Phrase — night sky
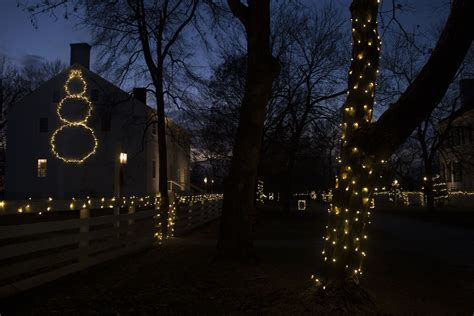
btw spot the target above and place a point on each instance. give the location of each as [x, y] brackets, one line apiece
[22, 43]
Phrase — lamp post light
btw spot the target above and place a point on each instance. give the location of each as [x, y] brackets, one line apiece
[119, 183]
[123, 158]
[123, 162]
[205, 183]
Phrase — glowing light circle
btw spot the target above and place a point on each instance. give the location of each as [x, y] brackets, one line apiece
[74, 97]
[75, 74]
[66, 124]
[76, 159]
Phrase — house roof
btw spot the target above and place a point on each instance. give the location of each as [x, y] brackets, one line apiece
[111, 88]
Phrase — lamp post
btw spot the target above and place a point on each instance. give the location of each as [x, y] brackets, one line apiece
[123, 162]
[205, 183]
[119, 182]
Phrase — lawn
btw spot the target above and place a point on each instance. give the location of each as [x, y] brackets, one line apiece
[413, 266]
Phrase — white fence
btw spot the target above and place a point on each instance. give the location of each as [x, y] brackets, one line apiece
[190, 216]
[36, 253]
[416, 198]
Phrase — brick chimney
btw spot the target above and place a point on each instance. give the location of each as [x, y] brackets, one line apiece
[140, 94]
[80, 54]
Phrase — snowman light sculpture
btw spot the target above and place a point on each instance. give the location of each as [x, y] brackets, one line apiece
[75, 88]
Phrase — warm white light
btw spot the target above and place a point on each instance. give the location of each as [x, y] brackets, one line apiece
[74, 74]
[123, 158]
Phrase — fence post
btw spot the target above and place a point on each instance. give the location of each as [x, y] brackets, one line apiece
[130, 228]
[83, 236]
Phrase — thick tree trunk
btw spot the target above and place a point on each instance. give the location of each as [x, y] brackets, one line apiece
[235, 236]
[364, 145]
[346, 236]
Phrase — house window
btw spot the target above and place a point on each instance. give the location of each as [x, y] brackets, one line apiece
[41, 168]
[105, 123]
[94, 95]
[457, 172]
[153, 169]
[182, 176]
[43, 125]
[56, 96]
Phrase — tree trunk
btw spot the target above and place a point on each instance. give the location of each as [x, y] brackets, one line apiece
[162, 160]
[430, 205]
[345, 239]
[364, 145]
[288, 184]
[235, 236]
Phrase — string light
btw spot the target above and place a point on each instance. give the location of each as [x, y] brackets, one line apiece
[71, 124]
[345, 239]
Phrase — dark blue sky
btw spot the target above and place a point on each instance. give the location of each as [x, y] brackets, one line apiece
[22, 43]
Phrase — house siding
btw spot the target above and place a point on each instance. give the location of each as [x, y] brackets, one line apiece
[98, 174]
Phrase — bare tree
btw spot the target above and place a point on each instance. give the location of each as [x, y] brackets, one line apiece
[401, 64]
[143, 40]
[16, 82]
[235, 240]
[312, 59]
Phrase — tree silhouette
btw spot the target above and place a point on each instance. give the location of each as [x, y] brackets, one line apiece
[235, 240]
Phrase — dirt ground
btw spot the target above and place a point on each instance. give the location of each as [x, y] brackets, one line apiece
[413, 267]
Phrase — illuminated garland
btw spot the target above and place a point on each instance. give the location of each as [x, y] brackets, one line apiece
[396, 193]
[345, 238]
[260, 196]
[82, 123]
[50, 204]
[440, 190]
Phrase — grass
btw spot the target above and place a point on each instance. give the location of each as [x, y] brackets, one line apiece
[179, 277]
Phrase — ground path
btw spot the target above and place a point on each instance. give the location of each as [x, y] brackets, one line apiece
[413, 266]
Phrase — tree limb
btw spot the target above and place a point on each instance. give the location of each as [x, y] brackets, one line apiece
[427, 90]
[239, 10]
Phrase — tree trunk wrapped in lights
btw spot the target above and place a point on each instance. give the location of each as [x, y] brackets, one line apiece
[345, 239]
[366, 144]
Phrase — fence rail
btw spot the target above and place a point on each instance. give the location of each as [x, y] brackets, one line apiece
[37, 253]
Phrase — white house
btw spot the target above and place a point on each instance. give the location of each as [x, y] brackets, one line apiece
[457, 153]
[64, 139]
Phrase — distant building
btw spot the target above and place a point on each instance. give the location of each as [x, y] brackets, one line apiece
[44, 153]
[457, 152]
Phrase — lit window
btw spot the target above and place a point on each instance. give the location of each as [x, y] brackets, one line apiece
[42, 168]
